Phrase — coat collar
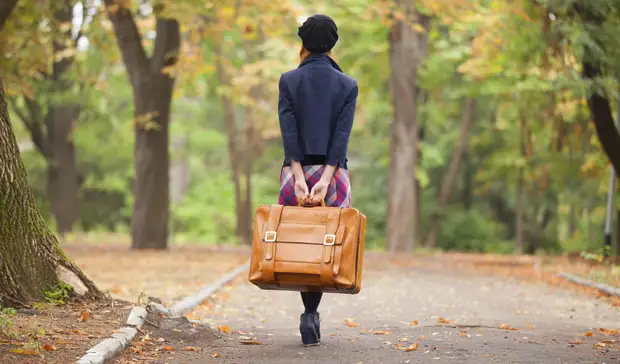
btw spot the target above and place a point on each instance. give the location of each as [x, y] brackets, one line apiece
[320, 58]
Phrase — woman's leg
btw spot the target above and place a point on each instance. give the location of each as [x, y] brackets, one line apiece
[303, 298]
[312, 301]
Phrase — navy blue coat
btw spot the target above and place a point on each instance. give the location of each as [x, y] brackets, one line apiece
[316, 108]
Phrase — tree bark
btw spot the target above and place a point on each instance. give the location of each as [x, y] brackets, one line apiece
[598, 101]
[468, 115]
[6, 8]
[31, 260]
[63, 185]
[617, 235]
[408, 49]
[152, 90]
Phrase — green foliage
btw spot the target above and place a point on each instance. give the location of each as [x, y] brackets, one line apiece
[519, 65]
[58, 294]
[472, 231]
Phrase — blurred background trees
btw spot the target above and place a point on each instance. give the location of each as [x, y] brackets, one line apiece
[476, 129]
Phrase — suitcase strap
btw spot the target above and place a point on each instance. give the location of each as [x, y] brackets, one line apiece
[329, 241]
[269, 246]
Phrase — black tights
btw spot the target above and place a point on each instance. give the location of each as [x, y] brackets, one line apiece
[311, 301]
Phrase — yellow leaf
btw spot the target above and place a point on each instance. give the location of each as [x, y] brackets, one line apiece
[350, 323]
[250, 342]
[192, 348]
[412, 347]
[382, 333]
[414, 323]
[225, 329]
[167, 348]
[21, 351]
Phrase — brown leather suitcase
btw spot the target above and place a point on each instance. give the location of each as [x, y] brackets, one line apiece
[308, 249]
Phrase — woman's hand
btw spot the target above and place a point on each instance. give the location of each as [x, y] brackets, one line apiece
[301, 189]
[319, 191]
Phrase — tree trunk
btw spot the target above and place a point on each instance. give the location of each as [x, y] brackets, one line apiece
[408, 49]
[62, 173]
[617, 235]
[31, 260]
[468, 114]
[468, 177]
[152, 85]
[519, 225]
[6, 8]
[598, 101]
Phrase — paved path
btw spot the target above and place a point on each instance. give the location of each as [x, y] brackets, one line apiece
[392, 297]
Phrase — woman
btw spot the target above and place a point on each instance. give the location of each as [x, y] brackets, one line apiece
[316, 108]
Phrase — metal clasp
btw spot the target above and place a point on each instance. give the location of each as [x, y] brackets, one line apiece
[329, 239]
[270, 236]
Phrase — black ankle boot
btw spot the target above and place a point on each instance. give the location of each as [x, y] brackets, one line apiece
[307, 329]
[317, 324]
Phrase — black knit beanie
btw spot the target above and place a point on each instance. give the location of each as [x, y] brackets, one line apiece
[318, 33]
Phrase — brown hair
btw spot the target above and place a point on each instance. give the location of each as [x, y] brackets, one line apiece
[304, 53]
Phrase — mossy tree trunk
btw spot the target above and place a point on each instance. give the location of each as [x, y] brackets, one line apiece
[31, 260]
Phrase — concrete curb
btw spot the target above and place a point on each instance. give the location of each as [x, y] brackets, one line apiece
[605, 288]
[112, 346]
[192, 301]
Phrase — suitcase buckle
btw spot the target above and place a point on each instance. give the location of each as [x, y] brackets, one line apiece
[270, 236]
[329, 239]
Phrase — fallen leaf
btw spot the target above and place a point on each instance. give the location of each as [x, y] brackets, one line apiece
[161, 340]
[136, 350]
[167, 348]
[600, 345]
[576, 342]
[414, 323]
[225, 329]
[251, 342]
[403, 339]
[588, 334]
[24, 351]
[351, 323]
[422, 337]
[506, 327]
[146, 337]
[48, 347]
[192, 348]
[217, 355]
[382, 333]
[608, 332]
[246, 338]
[84, 316]
[244, 333]
[412, 347]
[443, 320]
[463, 333]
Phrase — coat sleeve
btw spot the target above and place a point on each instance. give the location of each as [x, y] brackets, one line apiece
[344, 124]
[288, 123]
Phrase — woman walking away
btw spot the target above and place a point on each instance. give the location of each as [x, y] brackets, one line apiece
[316, 108]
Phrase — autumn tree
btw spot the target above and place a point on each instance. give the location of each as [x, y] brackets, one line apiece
[152, 85]
[31, 260]
[408, 49]
[51, 120]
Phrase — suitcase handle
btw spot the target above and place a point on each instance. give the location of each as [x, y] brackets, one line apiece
[301, 203]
